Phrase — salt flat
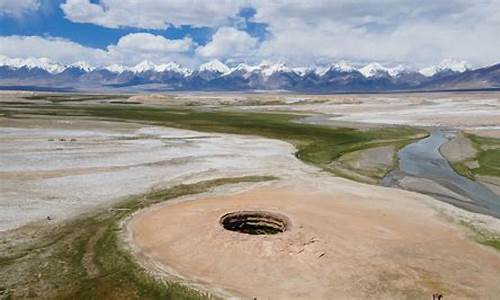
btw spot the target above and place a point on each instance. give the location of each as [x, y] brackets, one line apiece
[62, 167]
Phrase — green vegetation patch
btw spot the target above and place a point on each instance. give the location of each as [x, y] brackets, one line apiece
[489, 163]
[488, 158]
[316, 144]
[59, 98]
[82, 259]
[488, 155]
[463, 170]
[483, 236]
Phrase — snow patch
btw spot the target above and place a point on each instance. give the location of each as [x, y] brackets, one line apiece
[31, 63]
[453, 65]
[375, 69]
[83, 65]
[214, 66]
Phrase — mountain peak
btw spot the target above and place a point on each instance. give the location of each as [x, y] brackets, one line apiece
[31, 63]
[145, 65]
[83, 65]
[454, 65]
[245, 68]
[301, 71]
[269, 69]
[172, 67]
[115, 68]
[374, 69]
[341, 66]
[340, 76]
[216, 66]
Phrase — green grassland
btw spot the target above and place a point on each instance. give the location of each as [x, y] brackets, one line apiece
[483, 236]
[60, 98]
[488, 155]
[488, 158]
[83, 259]
[316, 144]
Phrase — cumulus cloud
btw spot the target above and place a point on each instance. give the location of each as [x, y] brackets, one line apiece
[151, 14]
[414, 32]
[136, 47]
[57, 49]
[299, 32]
[17, 8]
[130, 49]
[229, 42]
[154, 43]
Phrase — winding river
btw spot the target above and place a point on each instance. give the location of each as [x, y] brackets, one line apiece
[423, 159]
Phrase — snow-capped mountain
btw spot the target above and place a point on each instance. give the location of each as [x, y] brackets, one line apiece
[32, 63]
[243, 68]
[149, 66]
[115, 68]
[215, 75]
[143, 66]
[214, 66]
[341, 66]
[269, 69]
[173, 67]
[301, 71]
[82, 65]
[376, 69]
[447, 65]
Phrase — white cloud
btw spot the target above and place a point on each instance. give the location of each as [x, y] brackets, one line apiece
[300, 32]
[152, 43]
[229, 42]
[129, 50]
[151, 14]
[57, 49]
[136, 47]
[17, 8]
[414, 32]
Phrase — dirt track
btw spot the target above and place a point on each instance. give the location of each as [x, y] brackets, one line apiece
[346, 241]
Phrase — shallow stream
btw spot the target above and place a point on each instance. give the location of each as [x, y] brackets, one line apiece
[423, 159]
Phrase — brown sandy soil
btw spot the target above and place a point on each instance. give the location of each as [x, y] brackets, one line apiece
[346, 240]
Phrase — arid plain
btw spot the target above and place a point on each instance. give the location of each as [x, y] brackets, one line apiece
[362, 222]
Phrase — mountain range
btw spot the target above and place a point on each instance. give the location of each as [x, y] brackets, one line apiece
[43, 74]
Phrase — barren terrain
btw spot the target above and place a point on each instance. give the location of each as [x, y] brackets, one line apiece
[58, 168]
[79, 173]
[346, 240]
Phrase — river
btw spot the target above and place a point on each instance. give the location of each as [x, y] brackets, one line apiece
[423, 159]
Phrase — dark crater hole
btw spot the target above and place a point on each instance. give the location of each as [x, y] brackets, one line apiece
[254, 222]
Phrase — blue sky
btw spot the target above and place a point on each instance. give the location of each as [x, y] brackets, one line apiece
[103, 32]
[49, 20]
